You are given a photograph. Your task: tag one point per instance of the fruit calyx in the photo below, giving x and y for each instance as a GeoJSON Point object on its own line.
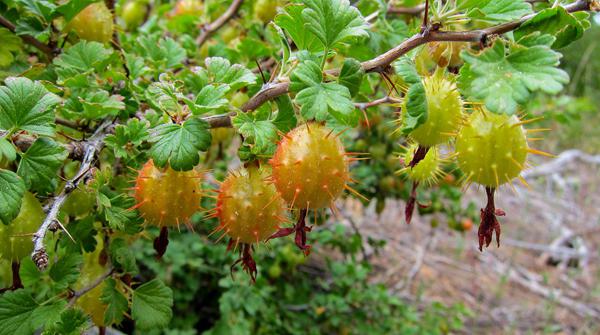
{"type": "Point", "coordinates": [245, 258]}
{"type": "Point", "coordinates": [489, 223]}
{"type": "Point", "coordinates": [299, 229]}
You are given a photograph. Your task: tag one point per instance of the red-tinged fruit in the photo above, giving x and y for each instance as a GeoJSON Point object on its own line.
{"type": "Point", "coordinates": [93, 23]}
{"type": "Point", "coordinates": [310, 167]}
{"type": "Point", "coordinates": [166, 197]}
{"type": "Point", "coordinates": [189, 7]}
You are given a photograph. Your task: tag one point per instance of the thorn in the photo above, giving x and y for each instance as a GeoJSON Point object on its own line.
{"type": "Point", "coordinates": [539, 152]}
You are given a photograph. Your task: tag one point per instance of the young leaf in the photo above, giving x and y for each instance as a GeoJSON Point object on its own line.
{"type": "Point", "coordinates": [73, 321]}
{"type": "Point", "coordinates": [20, 314]}
{"type": "Point", "coordinates": [26, 105]}
{"type": "Point", "coordinates": [406, 69]}
{"type": "Point", "coordinates": [10, 44]}
{"type": "Point", "coordinates": [82, 57]}
{"type": "Point", "coordinates": [320, 100]}
{"type": "Point", "coordinates": [7, 151]}
{"type": "Point", "coordinates": [307, 74]}
{"type": "Point", "coordinates": [151, 305]}
{"type": "Point", "coordinates": [556, 21]}
{"type": "Point", "coordinates": [98, 104]}
{"type": "Point", "coordinates": [351, 75]}
{"type": "Point", "coordinates": [416, 108]}
{"type": "Point", "coordinates": [127, 138]}
{"type": "Point", "coordinates": [504, 76]}
{"type": "Point", "coordinates": [116, 303]}
{"type": "Point", "coordinates": [210, 99]}
{"type": "Point", "coordinates": [221, 71]}
{"type": "Point", "coordinates": [494, 11]}
{"type": "Point", "coordinates": [262, 133]}
{"type": "Point", "coordinates": [66, 270]}
{"type": "Point", "coordinates": [41, 8]}
{"type": "Point", "coordinates": [40, 163]}
{"type": "Point", "coordinates": [292, 22]}
{"type": "Point", "coordinates": [12, 189]}
{"type": "Point", "coordinates": [286, 117]}
{"type": "Point", "coordinates": [333, 21]}
{"type": "Point", "coordinates": [178, 144]}
{"type": "Point", "coordinates": [122, 256]}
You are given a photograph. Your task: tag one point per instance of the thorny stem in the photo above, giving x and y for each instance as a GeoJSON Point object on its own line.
{"type": "Point", "coordinates": [92, 148]}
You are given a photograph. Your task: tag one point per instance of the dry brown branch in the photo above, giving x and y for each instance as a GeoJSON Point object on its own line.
{"type": "Point", "coordinates": [207, 30]}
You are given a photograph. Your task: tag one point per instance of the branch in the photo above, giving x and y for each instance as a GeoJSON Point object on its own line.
{"type": "Point", "coordinates": [382, 62]}
{"type": "Point", "coordinates": [90, 287]}
{"type": "Point", "coordinates": [207, 30]}
{"type": "Point", "coordinates": [91, 148]}
{"type": "Point", "coordinates": [28, 38]}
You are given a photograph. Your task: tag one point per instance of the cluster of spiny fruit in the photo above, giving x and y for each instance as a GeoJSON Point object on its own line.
{"type": "Point", "coordinates": [490, 149]}
{"type": "Point", "coordinates": [308, 171]}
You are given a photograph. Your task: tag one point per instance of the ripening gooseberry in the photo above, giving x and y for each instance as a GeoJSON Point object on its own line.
{"type": "Point", "coordinates": [447, 53]}
{"type": "Point", "coordinates": [189, 7]}
{"type": "Point", "coordinates": [426, 171]}
{"type": "Point", "coordinates": [15, 238]}
{"type": "Point", "coordinates": [444, 111]}
{"type": "Point", "coordinates": [93, 23]}
{"type": "Point", "coordinates": [491, 148]}
{"type": "Point", "coordinates": [134, 13]}
{"type": "Point", "coordinates": [310, 167]}
{"type": "Point", "coordinates": [91, 270]}
{"type": "Point", "coordinates": [166, 197]}
{"type": "Point", "coordinates": [249, 208]}
{"type": "Point", "coordinates": [265, 10]}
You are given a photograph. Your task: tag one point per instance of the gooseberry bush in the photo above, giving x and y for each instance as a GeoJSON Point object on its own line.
{"type": "Point", "coordinates": [211, 128]}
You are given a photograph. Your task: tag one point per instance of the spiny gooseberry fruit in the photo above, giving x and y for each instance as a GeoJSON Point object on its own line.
{"type": "Point", "coordinates": [310, 167]}
{"type": "Point", "coordinates": [134, 13]}
{"type": "Point", "coordinates": [93, 23]}
{"type": "Point", "coordinates": [444, 111]}
{"type": "Point", "coordinates": [15, 238]}
{"type": "Point", "coordinates": [265, 10]}
{"type": "Point", "coordinates": [166, 197]}
{"type": "Point", "coordinates": [491, 148]}
{"type": "Point", "coordinates": [189, 7]}
{"type": "Point", "coordinates": [91, 270]}
{"type": "Point", "coordinates": [426, 171]}
{"type": "Point", "coordinates": [248, 207]}
{"type": "Point", "coordinates": [249, 210]}
{"type": "Point", "coordinates": [446, 53]}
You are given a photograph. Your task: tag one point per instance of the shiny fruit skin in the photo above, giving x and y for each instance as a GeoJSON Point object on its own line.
{"type": "Point", "coordinates": [447, 53]}
{"type": "Point", "coordinates": [15, 239]}
{"type": "Point", "coordinates": [310, 168]}
{"type": "Point", "coordinates": [189, 7]}
{"type": "Point", "coordinates": [248, 207]}
{"type": "Point", "coordinates": [133, 14]}
{"type": "Point", "coordinates": [94, 23]}
{"type": "Point", "coordinates": [90, 271]}
{"type": "Point", "coordinates": [444, 111]}
{"type": "Point", "coordinates": [166, 197]}
{"type": "Point", "coordinates": [428, 170]}
{"type": "Point", "coordinates": [492, 148]}
{"type": "Point", "coordinates": [80, 202]}
{"type": "Point", "coordinates": [265, 10]}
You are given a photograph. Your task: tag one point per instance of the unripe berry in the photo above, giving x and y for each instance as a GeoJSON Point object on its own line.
{"type": "Point", "coordinates": [248, 207]}
{"type": "Point", "coordinates": [447, 53]}
{"type": "Point", "coordinates": [134, 13]}
{"type": "Point", "coordinates": [93, 23]}
{"type": "Point", "coordinates": [492, 148]}
{"type": "Point", "coordinates": [265, 10]}
{"type": "Point", "coordinates": [428, 170]}
{"type": "Point", "coordinates": [15, 238]}
{"type": "Point", "coordinates": [92, 270]}
{"type": "Point", "coordinates": [310, 168]}
{"type": "Point", "coordinates": [444, 112]}
{"type": "Point", "coordinates": [166, 197]}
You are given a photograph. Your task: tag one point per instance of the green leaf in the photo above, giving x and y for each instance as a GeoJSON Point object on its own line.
{"type": "Point", "coordinates": [494, 11]}
{"type": "Point", "coordinates": [556, 21]}
{"type": "Point", "coordinates": [116, 303]}
{"type": "Point", "coordinates": [210, 99]}
{"type": "Point", "coordinates": [327, 98]}
{"type": "Point", "coordinates": [307, 74]}
{"type": "Point", "coordinates": [286, 117]}
{"type": "Point", "coordinates": [351, 75]}
{"type": "Point", "coordinates": [12, 189]}
{"type": "Point", "coordinates": [151, 305]}
{"type": "Point", "coordinates": [7, 151]}
{"type": "Point", "coordinates": [407, 70]}
{"type": "Point", "coordinates": [122, 256]}
{"type": "Point", "coordinates": [504, 76]}
{"type": "Point", "coordinates": [127, 138]}
{"type": "Point", "coordinates": [179, 144]}
{"type": "Point", "coordinates": [10, 43]}
{"type": "Point", "coordinates": [66, 270]}
{"type": "Point", "coordinates": [73, 321]}
{"type": "Point", "coordinates": [164, 95]}
{"type": "Point", "coordinates": [333, 21]}
{"type": "Point", "coordinates": [220, 71]}
{"type": "Point", "coordinates": [98, 104]}
{"type": "Point", "coordinates": [40, 8]}
{"type": "Point", "coordinates": [163, 51]}
{"type": "Point", "coordinates": [20, 314]}
{"type": "Point", "coordinates": [73, 7]}
{"type": "Point", "coordinates": [261, 133]}
{"type": "Point", "coordinates": [117, 214]}
{"type": "Point", "coordinates": [81, 58]}
{"type": "Point", "coordinates": [290, 19]}
{"type": "Point", "coordinates": [86, 235]}
{"type": "Point", "coordinates": [32, 25]}
{"type": "Point", "coordinates": [416, 108]}
{"type": "Point", "coordinates": [40, 163]}
{"type": "Point", "coordinates": [26, 105]}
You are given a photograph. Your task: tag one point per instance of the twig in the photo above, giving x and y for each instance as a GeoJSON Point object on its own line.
{"type": "Point", "coordinates": [384, 100]}
{"type": "Point", "coordinates": [91, 148]}
{"type": "Point", "coordinates": [207, 30]}
{"type": "Point", "coordinates": [382, 62]}
{"type": "Point", "coordinates": [90, 287]}
{"type": "Point", "coordinates": [28, 38]}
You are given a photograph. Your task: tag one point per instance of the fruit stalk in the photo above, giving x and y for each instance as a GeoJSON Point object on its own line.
{"type": "Point", "coordinates": [161, 242]}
